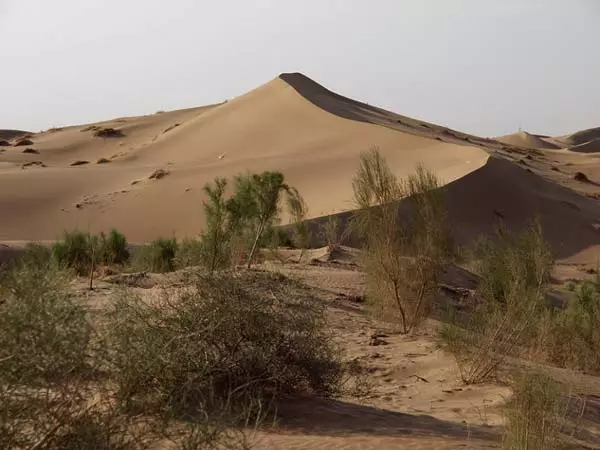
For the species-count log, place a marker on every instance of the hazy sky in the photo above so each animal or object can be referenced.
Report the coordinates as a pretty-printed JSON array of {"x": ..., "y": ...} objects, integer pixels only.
[{"x": 481, "y": 66}]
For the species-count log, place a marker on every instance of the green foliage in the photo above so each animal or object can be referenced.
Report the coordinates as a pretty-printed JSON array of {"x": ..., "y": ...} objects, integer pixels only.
[
  {"x": 575, "y": 336},
  {"x": 112, "y": 248},
  {"x": 405, "y": 249},
  {"x": 215, "y": 249},
  {"x": 536, "y": 413},
  {"x": 503, "y": 321},
  {"x": 190, "y": 252},
  {"x": 79, "y": 250},
  {"x": 254, "y": 206},
  {"x": 74, "y": 251},
  {"x": 158, "y": 256},
  {"x": 237, "y": 226},
  {"x": 224, "y": 342},
  {"x": 36, "y": 256},
  {"x": 298, "y": 210},
  {"x": 44, "y": 334}
]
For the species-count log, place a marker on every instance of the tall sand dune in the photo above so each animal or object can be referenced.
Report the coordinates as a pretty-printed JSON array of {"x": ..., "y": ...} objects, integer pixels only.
[
  {"x": 98, "y": 176},
  {"x": 271, "y": 127}
]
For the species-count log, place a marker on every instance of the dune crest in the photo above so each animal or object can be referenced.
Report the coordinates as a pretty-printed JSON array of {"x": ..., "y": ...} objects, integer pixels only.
[
  {"x": 292, "y": 124},
  {"x": 527, "y": 140}
]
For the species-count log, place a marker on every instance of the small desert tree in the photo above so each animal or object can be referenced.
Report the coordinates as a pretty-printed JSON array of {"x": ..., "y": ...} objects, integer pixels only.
[
  {"x": 298, "y": 210},
  {"x": 255, "y": 205},
  {"x": 215, "y": 236},
  {"x": 514, "y": 272},
  {"x": 405, "y": 248}
]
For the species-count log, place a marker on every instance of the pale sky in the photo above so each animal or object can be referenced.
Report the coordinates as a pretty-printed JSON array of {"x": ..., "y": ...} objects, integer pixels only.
[{"x": 480, "y": 66}]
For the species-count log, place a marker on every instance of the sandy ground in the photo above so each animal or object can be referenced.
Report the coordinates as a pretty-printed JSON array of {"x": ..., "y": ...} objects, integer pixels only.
[{"x": 414, "y": 396}]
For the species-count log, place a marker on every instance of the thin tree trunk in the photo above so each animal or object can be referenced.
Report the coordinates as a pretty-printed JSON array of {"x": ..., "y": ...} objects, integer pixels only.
[
  {"x": 92, "y": 268},
  {"x": 255, "y": 244}
]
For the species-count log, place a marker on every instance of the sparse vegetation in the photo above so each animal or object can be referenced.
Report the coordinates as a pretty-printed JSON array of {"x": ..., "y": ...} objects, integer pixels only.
[
  {"x": 31, "y": 151},
  {"x": 107, "y": 132},
  {"x": 406, "y": 249},
  {"x": 44, "y": 334},
  {"x": 222, "y": 343},
  {"x": 215, "y": 247},
  {"x": 537, "y": 412},
  {"x": 79, "y": 163},
  {"x": 332, "y": 232},
  {"x": 581, "y": 177},
  {"x": 158, "y": 256},
  {"x": 514, "y": 271},
  {"x": 298, "y": 211},
  {"x": 574, "y": 340},
  {"x": 81, "y": 251},
  {"x": 23, "y": 141},
  {"x": 158, "y": 174},
  {"x": 190, "y": 252}
]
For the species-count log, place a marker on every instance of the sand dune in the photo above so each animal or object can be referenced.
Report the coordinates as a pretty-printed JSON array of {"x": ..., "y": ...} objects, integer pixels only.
[
  {"x": 8, "y": 135},
  {"x": 96, "y": 176},
  {"x": 587, "y": 147},
  {"x": 527, "y": 140},
  {"x": 271, "y": 127},
  {"x": 580, "y": 137}
]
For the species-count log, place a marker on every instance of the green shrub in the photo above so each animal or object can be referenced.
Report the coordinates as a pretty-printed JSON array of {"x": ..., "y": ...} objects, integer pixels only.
[
  {"x": 80, "y": 250},
  {"x": 223, "y": 345},
  {"x": 503, "y": 320},
  {"x": 404, "y": 250},
  {"x": 44, "y": 334},
  {"x": 36, "y": 255},
  {"x": 74, "y": 251},
  {"x": 190, "y": 252},
  {"x": 575, "y": 336},
  {"x": 157, "y": 256},
  {"x": 536, "y": 413},
  {"x": 112, "y": 248}
]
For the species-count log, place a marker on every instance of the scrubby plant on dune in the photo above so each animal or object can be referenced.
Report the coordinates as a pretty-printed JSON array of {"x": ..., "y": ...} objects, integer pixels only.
[
  {"x": 536, "y": 412},
  {"x": 574, "y": 340},
  {"x": 225, "y": 344},
  {"x": 82, "y": 251},
  {"x": 157, "y": 256},
  {"x": 405, "y": 249},
  {"x": 248, "y": 219},
  {"x": 510, "y": 301}
]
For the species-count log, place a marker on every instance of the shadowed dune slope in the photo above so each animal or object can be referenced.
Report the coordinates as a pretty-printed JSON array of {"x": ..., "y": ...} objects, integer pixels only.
[
  {"x": 587, "y": 147},
  {"x": 580, "y": 137},
  {"x": 7, "y": 135},
  {"x": 503, "y": 192}
]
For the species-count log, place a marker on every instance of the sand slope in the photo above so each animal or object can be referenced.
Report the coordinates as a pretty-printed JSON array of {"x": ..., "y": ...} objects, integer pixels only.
[
  {"x": 579, "y": 137},
  {"x": 527, "y": 140},
  {"x": 290, "y": 124},
  {"x": 271, "y": 127}
]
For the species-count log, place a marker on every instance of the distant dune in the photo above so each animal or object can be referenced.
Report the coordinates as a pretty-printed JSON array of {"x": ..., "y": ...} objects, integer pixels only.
[
  {"x": 587, "y": 147},
  {"x": 527, "y": 140},
  {"x": 145, "y": 174},
  {"x": 8, "y": 135},
  {"x": 581, "y": 137}
]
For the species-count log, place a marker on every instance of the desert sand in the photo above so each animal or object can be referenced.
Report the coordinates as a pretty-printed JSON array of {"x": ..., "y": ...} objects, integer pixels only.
[
  {"x": 144, "y": 175},
  {"x": 70, "y": 178}
]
